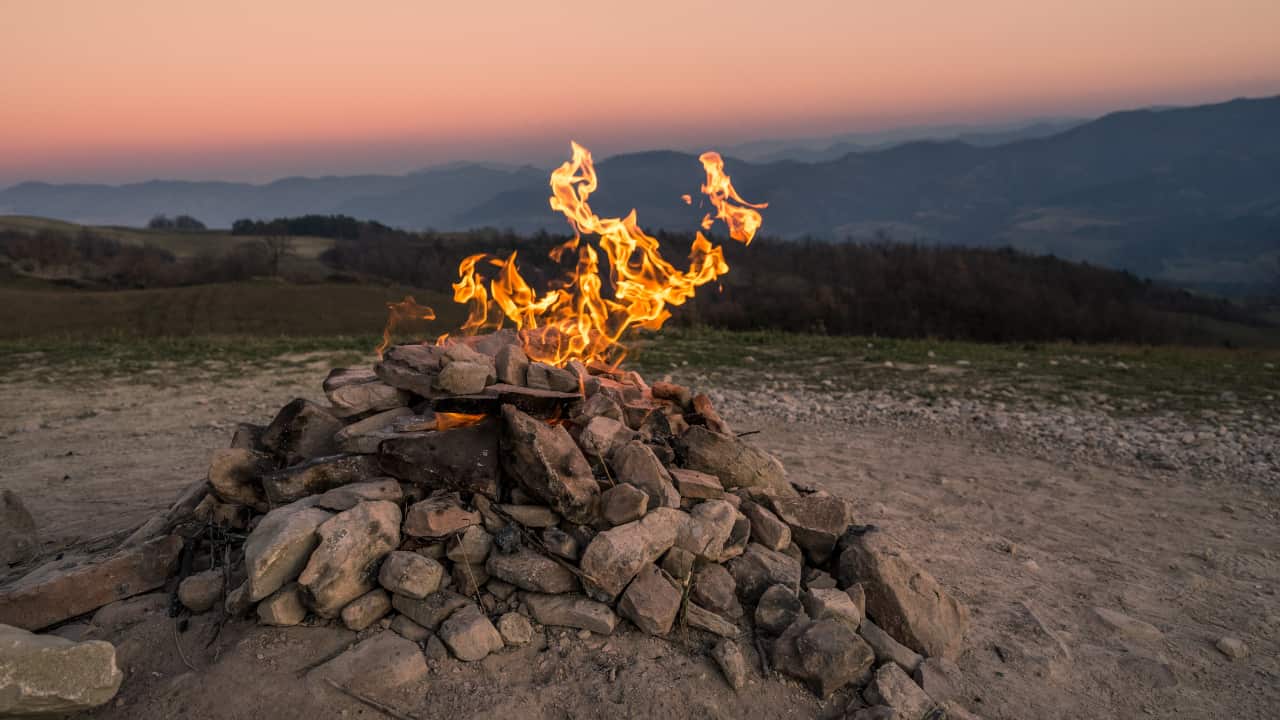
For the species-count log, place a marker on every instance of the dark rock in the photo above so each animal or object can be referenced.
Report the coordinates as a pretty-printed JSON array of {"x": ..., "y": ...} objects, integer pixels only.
[
  {"x": 235, "y": 476},
  {"x": 699, "y": 618},
  {"x": 512, "y": 365},
  {"x": 364, "y": 436},
  {"x": 408, "y": 629},
  {"x": 560, "y": 543},
  {"x": 678, "y": 563},
  {"x": 815, "y": 579},
  {"x": 541, "y": 376},
  {"x": 777, "y": 609},
  {"x": 623, "y": 503},
  {"x": 472, "y": 546},
  {"x": 891, "y": 686},
  {"x": 713, "y": 587},
  {"x": 18, "y": 540},
  {"x": 548, "y": 464},
  {"x": 346, "y": 497},
  {"x": 825, "y": 654},
  {"x": 758, "y": 568},
  {"x": 469, "y": 578},
  {"x": 530, "y": 516},
  {"x": 317, "y": 476},
  {"x": 200, "y": 591},
  {"x": 833, "y": 604},
  {"x": 300, "y": 431},
  {"x": 247, "y": 436},
  {"x": 464, "y": 459}
]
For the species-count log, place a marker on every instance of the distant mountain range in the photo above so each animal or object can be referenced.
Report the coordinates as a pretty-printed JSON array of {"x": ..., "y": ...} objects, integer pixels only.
[{"x": 1188, "y": 195}]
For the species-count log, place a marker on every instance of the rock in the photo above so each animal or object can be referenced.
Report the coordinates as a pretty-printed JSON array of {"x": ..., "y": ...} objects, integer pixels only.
[
  {"x": 1233, "y": 648},
  {"x": 355, "y": 391},
  {"x": 277, "y": 550},
  {"x": 348, "y": 496},
  {"x": 707, "y": 530},
  {"x": 739, "y": 535},
  {"x": 825, "y": 654},
  {"x": 734, "y": 462},
  {"x": 48, "y": 675},
  {"x": 463, "y": 378},
  {"x": 300, "y": 431},
  {"x": 560, "y": 543},
  {"x": 238, "y": 602},
  {"x": 548, "y": 464},
  {"x": 531, "y": 516},
  {"x": 695, "y": 485},
  {"x": 886, "y": 648},
  {"x": 542, "y": 376},
  {"x": 955, "y": 712},
  {"x": 530, "y": 570},
  {"x": 572, "y": 611},
  {"x": 598, "y": 405},
  {"x": 859, "y": 598},
  {"x": 435, "y": 650},
  {"x": 317, "y": 476},
  {"x": 623, "y": 503},
  {"x": 468, "y": 579},
  {"x": 732, "y": 663},
  {"x": 440, "y": 515},
  {"x": 201, "y": 591},
  {"x": 678, "y": 563},
  {"x": 515, "y": 629},
  {"x": 283, "y": 607},
  {"x": 469, "y": 635},
  {"x": 461, "y": 351},
  {"x": 875, "y": 712},
  {"x": 635, "y": 464},
  {"x": 714, "y": 588},
  {"x": 777, "y": 609},
  {"x": 472, "y": 546},
  {"x": 817, "y": 522},
  {"x": 615, "y": 556},
  {"x": 831, "y": 603},
  {"x": 939, "y": 678},
  {"x": 815, "y": 579},
  {"x": 602, "y": 436},
  {"x": 465, "y": 459},
  {"x": 651, "y": 601},
  {"x": 410, "y": 574},
  {"x": 758, "y": 568},
  {"x": 512, "y": 365},
  {"x": 891, "y": 686},
  {"x": 904, "y": 599},
  {"x": 766, "y": 528},
  {"x": 344, "y": 565},
  {"x": 408, "y": 629},
  {"x": 700, "y": 618},
  {"x": 702, "y": 406},
  {"x": 376, "y": 665},
  {"x": 116, "y": 616},
  {"x": 234, "y": 476},
  {"x": 366, "y": 609},
  {"x": 1127, "y": 626},
  {"x": 364, "y": 436},
  {"x": 74, "y": 585},
  {"x": 247, "y": 436},
  {"x": 432, "y": 610},
  {"x": 411, "y": 367}
]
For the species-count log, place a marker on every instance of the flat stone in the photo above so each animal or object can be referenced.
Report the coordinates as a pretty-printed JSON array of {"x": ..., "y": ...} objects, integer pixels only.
[
  {"x": 891, "y": 686},
  {"x": 886, "y": 648},
  {"x": 732, "y": 663},
  {"x": 366, "y": 610},
  {"x": 831, "y": 603},
  {"x": 707, "y": 531},
  {"x": 283, "y": 607},
  {"x": 471, "y": 546},
  {"x": 301, "y": 431},
  {"x": 766, "y": 528},
  {"x": 759, "y": 568},
  {"x": 548, "y": 464},
  {"x": 463, "y": 378},
  {"x": 615, "y": 556},
  {"x": 48, "y": 675},
  {"x": 410, "y": 574},
  {"x": 469, "y": 635},
  {"x": 817, "y": 522},
  {"x": 714, "y": 587},
  {"x": 377, "y": 665},
  {"x": 777, "y": 609},
  {"x": 348, "y": 496},
  {"x": 734, "y": 462},
  {"x": 74, "y": 585},
  {"x": 542, "y": 376},
  {"x": 277, "y": 550},
  {"x": 1130, "y": 627},
  {"x": 465, "y": 459},
  {"x": 700, "y": 618},
  {"x": 432, "y": 610},
  {"x": 121, "y": 614},
  {"x": 364, "y": 436},
  {"x": 358, "y": 391},
  {"x": 345, "y": 564},
  {"x": 623, "y": 503},
  {"x": 408, "y": 629},
  {"x": 201, "y": 591},
  {"x": 651, "y": 601},
  {"x": 412, "y": 368},
  {"x": 234, "y": 476},
  {"x": 695, "y": 485},
  {"x": 438, "y": 516},
  {"x": 572, "y": 611},
  {"x": 318, "y": 475},
  {"x": 905, "y": 600},
  {"x": 515, "y": 629},
  {"x": 532, "y": 571},
  {"x": 635, "y": 463},
  {"x": 511, "y": 365}
]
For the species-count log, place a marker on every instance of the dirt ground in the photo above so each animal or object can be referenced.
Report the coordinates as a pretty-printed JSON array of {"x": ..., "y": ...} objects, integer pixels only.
[{"x": 1034, "y": 545}]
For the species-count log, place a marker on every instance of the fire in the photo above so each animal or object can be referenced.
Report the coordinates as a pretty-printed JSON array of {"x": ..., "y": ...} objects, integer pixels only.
[
  {"x": 574, "y": 320},
  {"x": 400, "y": 312},
  {"x": 449, "y": 421}
]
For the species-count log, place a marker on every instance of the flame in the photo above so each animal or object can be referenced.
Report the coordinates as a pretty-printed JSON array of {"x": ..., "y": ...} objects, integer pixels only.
[
  {"x": 449, "y": 421},
  {"x": 401, "y": 312}
]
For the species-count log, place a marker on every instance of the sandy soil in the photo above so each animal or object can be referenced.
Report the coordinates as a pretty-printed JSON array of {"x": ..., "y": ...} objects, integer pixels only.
[{"x": 1034, "y": 546}]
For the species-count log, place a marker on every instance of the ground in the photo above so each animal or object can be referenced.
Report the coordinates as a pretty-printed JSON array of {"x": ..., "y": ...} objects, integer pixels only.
[{"x": 1039, "y": 499}]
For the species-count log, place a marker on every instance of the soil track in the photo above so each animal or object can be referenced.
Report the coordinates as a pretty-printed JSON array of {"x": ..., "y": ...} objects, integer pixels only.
[{"x": 1034, "y": 545}]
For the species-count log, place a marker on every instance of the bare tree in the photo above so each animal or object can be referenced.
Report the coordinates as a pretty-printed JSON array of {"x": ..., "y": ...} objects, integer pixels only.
[{"x": 278, "y": 247}]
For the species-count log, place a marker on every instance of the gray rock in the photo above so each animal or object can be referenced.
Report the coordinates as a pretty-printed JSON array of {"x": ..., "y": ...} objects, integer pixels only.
[
  {"x": 777, "y": 610},
  {"x": 469, "y": 635},
  {"x": 283, "y": 607},
  {"x": 355, "y": 391},
  {"x": 815, "y": 579},
  {"x": 734, "y": 462},
  {"x": 463, "y": 459},
  {"x": 635, "y": 463},
  {"x": 651, "y": 601},
  {"x": 766, "y": 528},
  {"x": 572, "y": 611},
  {"x": 463, "y": 378},
  {"x": 602, "y": 436},
  {"x": 598, "y": 405},
  {"x": 758, "y": 568},
  {"x": 411, "y": 367},
  {"x": 713, "y": 587},
  {"x": 364, "y": 436},
  {"x": 615, "y": 556},
  {"x": 238, "y": 603},
  {"x": 532, "y": 571},
  {"x": 201, "y": 591},
  {"x": 432, "y": 610},
  {"x": 623, "y": 503},
  {"x": 886, "y": 648},
  {"x": 300, "y": 431},
  {"x": 548, "y": 464},
  {"x": 348, "y": 496},
  {"x": 121, "y": 614},
  {"x": 515, "y": 629},
  {"x": 366, "y": 609},
  {"x": 438, "y": 516},
  {"x": 278, "y": 549},
  {"x": 344, "y": 565},
  {"x": 831, "y": 603},
  {"x": 707, "y": 531},
  {"x": 732, "y": 663},
  {"x": 542, "y": 376},
  {"x": 512, "y": 365},
  {"x": 377, "y": 665},
  {"x": 48, "y": 675},
  {"x": 410, "y": 574},
  {"x": 891, "y": 686}
]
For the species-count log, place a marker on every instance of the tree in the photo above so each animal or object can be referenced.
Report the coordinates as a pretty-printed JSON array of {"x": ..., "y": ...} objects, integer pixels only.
[{"x": 278, "y": 248}]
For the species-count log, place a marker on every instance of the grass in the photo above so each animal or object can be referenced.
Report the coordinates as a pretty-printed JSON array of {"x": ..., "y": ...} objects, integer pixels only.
[{"x": 183, "y": 244}]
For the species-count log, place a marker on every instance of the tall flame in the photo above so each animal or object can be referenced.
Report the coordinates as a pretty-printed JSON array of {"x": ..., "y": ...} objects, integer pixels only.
[{"x": 574, "y": 319}]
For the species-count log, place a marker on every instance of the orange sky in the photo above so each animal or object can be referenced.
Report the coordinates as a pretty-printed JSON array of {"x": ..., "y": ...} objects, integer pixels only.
[{"x": 130, "y": 89}]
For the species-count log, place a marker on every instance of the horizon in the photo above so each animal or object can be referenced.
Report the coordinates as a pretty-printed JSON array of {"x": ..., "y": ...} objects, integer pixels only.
[{"x": 111, "y": 95}]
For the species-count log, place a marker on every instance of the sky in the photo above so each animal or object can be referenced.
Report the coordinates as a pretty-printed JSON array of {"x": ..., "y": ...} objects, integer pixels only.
[{"x": 126, "y": 90}]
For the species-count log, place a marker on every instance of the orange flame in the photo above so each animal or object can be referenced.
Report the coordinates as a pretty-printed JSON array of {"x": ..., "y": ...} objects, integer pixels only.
[
  {"x": 401, "y": 312},
  {"x": 449, "y": 421}
]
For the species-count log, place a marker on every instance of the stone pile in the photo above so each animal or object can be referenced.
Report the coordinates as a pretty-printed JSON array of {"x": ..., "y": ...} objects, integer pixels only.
[{"x": 461, "y": 497}]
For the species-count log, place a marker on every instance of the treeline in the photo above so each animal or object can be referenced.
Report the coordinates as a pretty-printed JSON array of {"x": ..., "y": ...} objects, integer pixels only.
[{"x": 338, "y": 227}]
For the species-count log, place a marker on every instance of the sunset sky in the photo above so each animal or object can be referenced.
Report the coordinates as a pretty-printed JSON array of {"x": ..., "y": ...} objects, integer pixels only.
[{"x": 124, "y": 90}]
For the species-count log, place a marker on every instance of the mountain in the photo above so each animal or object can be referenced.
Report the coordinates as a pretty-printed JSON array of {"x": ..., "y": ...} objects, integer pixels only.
[{"x": 1190, "y": 195}]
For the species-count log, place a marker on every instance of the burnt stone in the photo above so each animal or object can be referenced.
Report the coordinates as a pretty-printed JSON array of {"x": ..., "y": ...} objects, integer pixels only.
[
  {"x": 464, "y": 459},
  {"x": 300, "y": 431},
  {"x": 548, "y": 464},
  {"x": 318, "y": 476},
  {"x": 412, "y": 368}
]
